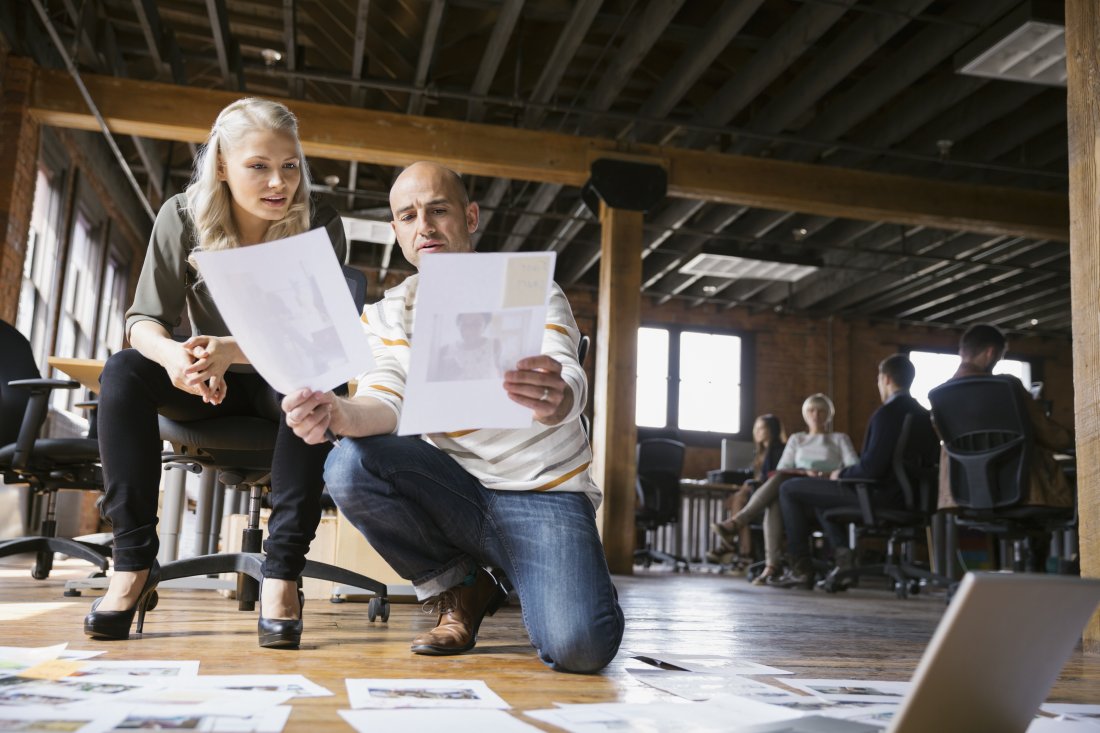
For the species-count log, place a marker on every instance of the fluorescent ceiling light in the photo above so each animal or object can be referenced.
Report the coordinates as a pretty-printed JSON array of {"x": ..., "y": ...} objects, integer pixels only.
[
  {"x": 1028, "y": 45},
  {"x": 368, "y": 230},
  {"x": 744, "y": 268}
]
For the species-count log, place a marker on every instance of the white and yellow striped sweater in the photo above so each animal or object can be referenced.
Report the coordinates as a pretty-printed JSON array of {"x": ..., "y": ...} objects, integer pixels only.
[{"x": 538, "y": 458}]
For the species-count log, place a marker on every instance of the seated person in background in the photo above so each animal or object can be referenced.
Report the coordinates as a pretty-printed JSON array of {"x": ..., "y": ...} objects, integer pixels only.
[
  {"x": 980, "y": 348},
  {"x": 441, "y": 507},
  {"x": 814, "y": 453},
  {"x": 800, "y": 499},
  {"x": 768, "y": 441}
]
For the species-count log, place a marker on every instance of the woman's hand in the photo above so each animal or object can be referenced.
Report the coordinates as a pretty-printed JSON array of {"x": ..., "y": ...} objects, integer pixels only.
[
  {"x": 536, "y": 383},
  {"x": 176, "y": 360},
  {"x": 212, "y": 356}
]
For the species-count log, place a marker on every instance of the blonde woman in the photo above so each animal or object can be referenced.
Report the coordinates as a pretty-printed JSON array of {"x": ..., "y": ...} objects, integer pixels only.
[
  {"x": 816, "y": 452},
  {"x": 250, "y": 185}
]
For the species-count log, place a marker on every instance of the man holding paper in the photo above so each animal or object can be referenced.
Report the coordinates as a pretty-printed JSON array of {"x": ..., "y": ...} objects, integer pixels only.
[{"x": 441, "y": 507}]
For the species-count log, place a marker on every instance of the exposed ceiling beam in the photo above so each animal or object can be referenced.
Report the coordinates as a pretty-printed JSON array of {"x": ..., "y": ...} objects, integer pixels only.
[
  {"x": 149, "y": 20},
  {"x": 168, "y": 112},
  {"x": 507, "y": 17},
  {"x": 359, "y": 51},
  {"x": 850, "y": 48},
  {"x": 290, "y": 43},
  {"x": 572, "y": 34},
  {"x": 798, "y": 34},
  {"x": 432, "y": 22},
  {"x": 726, "y": 22},
  {"x": 229, "y": 57}
]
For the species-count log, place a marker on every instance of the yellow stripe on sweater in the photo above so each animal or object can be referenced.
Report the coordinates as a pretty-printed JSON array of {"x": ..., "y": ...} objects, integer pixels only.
[{"x": 561, "y": 479}]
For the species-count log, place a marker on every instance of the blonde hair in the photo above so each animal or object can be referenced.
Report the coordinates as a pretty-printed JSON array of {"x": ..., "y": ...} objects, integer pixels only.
[
  {"x": 209, "y": 199},
  {"x": 821, "y": 400}
]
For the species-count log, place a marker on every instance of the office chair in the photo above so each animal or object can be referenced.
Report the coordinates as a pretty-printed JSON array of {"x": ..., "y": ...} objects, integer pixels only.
[
  {"x": 240, "y": 449},
  {"x": 989, "y": 441},
  {"x": 660, "y": 466},
  {"x": 46, "y": 465},
  {"x": 914, "y": 471}
]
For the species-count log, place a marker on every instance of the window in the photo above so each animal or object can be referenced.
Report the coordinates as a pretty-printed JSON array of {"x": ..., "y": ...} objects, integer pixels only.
[
  {"x": 112, "y": 307},
  {"x": 933, "y": 369},
  {"x": 39, "y": 264},
  {"x": 689, "y": 380},
  {"x": 76, "y": 329}
]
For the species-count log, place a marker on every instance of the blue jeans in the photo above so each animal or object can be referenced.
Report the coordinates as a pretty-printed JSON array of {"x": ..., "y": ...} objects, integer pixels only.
[{"x": 432, "y": 521}]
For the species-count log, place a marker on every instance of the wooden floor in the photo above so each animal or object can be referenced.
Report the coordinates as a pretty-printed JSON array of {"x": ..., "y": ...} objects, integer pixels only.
[{"x": 865, "y": 633}]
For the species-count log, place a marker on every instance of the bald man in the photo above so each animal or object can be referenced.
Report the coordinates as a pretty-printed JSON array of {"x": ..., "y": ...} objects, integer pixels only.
[{"x": 442, "y": 507}]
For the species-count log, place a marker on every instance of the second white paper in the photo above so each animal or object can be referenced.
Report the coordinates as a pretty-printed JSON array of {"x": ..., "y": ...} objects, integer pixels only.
[{"x": 476, "y": 316}]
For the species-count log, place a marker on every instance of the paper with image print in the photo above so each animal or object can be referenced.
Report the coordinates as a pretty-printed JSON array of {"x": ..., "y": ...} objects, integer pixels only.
[
  {"x": 862, "y": 691},
  {"x": 47, "y": 719},
  {"x": 476, "y": 316},
  {"x": 434, "y": 693},
  {"x": 451, "y": 721},
  {"x": 289, "y": 307}
]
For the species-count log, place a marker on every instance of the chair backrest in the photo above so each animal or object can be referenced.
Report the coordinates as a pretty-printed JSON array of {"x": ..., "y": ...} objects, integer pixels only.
[
  {"x": 16, "y": 362},
  {"x": 987, "y": 435},
  {"x": 914, "y": 463},
  {"x": 357, "y": 284},
  {"x": 660, "y": 466}
]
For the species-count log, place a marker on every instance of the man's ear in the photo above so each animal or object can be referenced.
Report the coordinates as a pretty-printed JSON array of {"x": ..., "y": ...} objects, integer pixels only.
[{"x": 473, "y": 215}]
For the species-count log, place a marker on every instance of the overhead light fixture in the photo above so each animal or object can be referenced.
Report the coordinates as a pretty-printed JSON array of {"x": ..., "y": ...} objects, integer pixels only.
[
  {"x": 270, "y": 56},
  {"x": 332, "y": 180},
  {"x": 1028, "y": 45},
  {"x": 799, "y": 233},
  {"x": 744, "y": 268},
  {"x": 368, "y": 230}
]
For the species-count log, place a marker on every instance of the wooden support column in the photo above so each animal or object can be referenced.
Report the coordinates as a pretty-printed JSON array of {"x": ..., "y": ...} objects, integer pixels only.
[
  {"x": 614, "y": 433},
  {"x": 18, "y": 172},
  {"x": 1083, "y": 117}
]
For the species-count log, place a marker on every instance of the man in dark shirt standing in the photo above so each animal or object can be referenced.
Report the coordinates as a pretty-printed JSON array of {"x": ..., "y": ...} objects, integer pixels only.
[{"x": 801, "y": 499}]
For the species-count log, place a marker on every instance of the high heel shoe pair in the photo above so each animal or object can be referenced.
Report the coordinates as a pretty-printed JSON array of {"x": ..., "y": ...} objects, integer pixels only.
[
  {"x": 281, "y": 633},
  {"x": 116, "y": 624},
  {"x": 273, "y": 633}
]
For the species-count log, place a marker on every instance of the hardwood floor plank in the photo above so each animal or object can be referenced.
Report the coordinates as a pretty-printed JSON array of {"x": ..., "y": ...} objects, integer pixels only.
[{"x": 865, "y": 633}]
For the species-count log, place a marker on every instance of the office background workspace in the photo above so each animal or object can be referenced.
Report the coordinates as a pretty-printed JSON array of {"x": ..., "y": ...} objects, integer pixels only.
[{"x": 840, "y": 185}]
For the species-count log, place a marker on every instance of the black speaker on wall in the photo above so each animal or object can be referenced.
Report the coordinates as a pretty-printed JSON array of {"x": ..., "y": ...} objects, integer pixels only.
[{"x": 624, "y": 184}]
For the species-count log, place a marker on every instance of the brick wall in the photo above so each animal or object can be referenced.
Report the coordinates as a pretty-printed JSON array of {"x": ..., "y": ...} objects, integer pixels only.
[
  {"x": 18, "y": 156},
  {"x": 792, "y": 360}
]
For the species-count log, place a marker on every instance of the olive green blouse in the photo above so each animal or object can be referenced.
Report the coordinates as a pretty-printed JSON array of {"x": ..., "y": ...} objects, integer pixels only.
[{"x": 168, "y": 283}]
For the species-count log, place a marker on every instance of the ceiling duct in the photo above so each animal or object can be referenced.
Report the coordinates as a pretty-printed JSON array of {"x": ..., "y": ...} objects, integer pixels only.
[{"x": 1028, "y": 45}]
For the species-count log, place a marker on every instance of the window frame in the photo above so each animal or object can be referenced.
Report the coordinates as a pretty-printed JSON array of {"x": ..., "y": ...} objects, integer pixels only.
[
  {"x": 701, "y": 438},
  {"x": 1034, "y": 362}
]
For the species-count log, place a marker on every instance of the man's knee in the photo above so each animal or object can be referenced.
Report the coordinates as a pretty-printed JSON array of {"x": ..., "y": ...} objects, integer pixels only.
[
  {"x": 584, "y": 648},
  {"x": 359, "y": 464}
]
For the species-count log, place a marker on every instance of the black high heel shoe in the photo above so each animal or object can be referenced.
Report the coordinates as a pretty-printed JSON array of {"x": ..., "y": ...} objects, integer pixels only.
[
  {"x": 281, "y": 633},
  {"x": 116, "y": 624}
]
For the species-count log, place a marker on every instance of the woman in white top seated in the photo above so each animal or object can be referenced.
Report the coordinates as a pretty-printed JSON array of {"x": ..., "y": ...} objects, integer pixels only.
[{"x": 816, "y": 452}]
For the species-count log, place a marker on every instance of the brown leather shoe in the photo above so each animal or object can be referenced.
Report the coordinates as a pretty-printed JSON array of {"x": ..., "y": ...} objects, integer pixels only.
[{"x": 461, "y": 609}]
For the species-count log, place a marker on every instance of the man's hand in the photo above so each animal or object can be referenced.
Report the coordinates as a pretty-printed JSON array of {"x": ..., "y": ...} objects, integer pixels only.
[
  {"x": 536, "y": 383},
  {"x": 835, "y": 474},
  {"x": 309, "y": 414},
  {"x": 212, "y": 356}
]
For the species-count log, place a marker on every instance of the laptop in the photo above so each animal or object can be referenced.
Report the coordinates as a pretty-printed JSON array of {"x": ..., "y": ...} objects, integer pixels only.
[{"x": 992, "y": 661}]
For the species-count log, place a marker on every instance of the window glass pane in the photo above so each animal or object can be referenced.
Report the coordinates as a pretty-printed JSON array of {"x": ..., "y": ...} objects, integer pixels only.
[
  {"x": 38, "y": 267},
  {"x": 934, "y": 369},
  {"x": 710, "y": 382},
  {"x": 651, "y": 408}
]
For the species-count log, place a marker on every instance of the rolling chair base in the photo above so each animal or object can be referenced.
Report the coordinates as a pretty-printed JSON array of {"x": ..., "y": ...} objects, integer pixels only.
[{"x": 45, "y": 547}]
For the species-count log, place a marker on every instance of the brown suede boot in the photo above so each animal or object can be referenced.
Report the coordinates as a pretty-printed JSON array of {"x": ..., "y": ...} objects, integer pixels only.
[{"x": 461, "y": 609}]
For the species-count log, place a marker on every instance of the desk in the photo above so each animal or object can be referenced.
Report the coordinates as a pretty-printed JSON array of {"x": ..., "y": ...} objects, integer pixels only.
[
  {"x": 701, "y": 504},
  {"x": 85, "y": 371}
]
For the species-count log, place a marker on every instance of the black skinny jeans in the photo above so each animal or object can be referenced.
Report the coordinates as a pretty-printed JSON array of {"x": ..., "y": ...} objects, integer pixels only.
[{"x": 133, "y": 391}]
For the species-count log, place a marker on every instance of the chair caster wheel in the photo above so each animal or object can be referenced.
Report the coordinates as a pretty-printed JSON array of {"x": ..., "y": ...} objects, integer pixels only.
[
  {"x": 378, "y": 607},
  {"x": 43, "y": 564},
  {"x": 72, "y": 593},
  {"x": 337, "y": 599}
]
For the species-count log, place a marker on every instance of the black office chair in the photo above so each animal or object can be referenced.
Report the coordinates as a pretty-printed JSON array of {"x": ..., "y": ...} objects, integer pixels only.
[
  {"x": 582, "y": 353},
  {"x": 660, "y": 466},
  {"x": 46, "y": 465},
  {"x": 989, "y": 439},
  {"x": 240, "y": 449},
  {"x": 914, "y": 471}
]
